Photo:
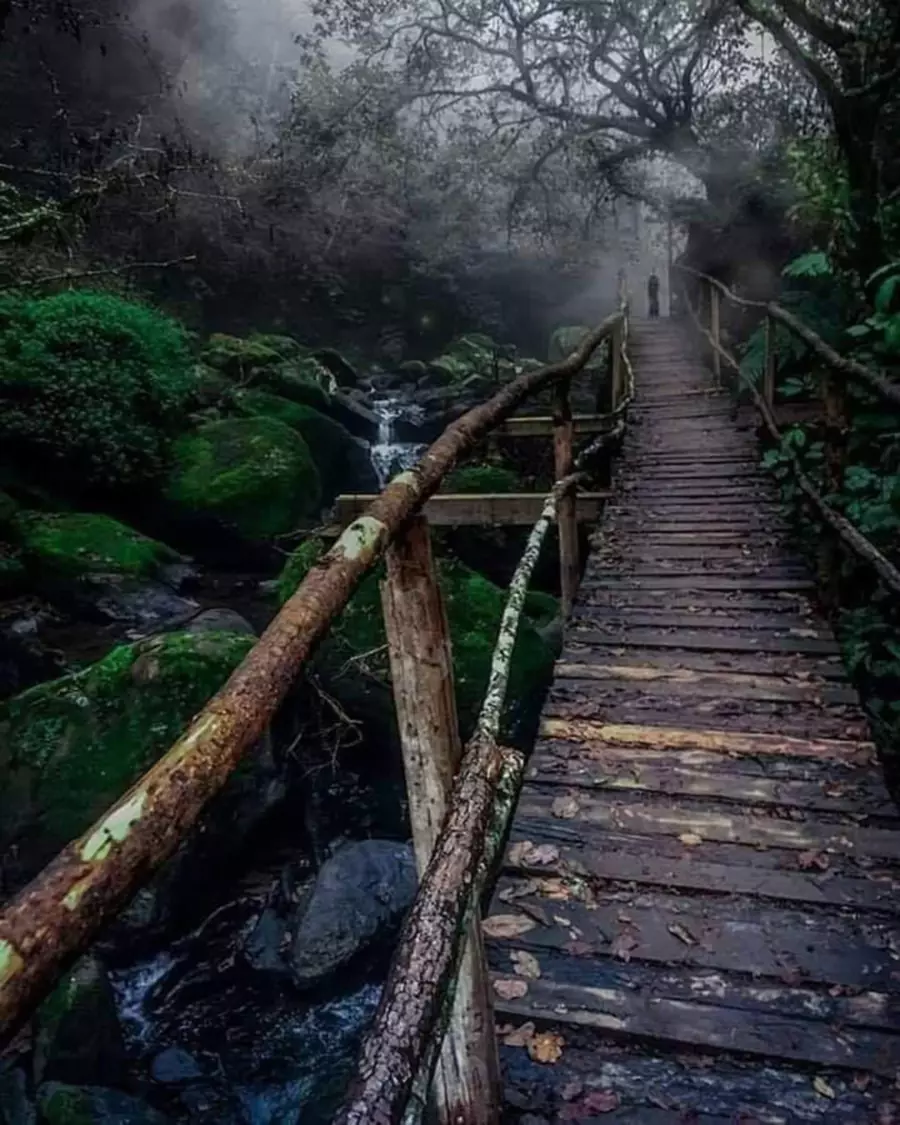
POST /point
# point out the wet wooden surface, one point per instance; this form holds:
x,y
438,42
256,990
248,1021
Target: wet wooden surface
x,y
697,919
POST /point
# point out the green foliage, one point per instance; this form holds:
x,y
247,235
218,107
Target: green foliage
x,y
71,545
474,606
254,474
91,384
879,334
72,746
813,264
482,478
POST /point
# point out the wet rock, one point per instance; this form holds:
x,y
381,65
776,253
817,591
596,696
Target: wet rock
x,y
360,896
356,416
221,619
173,1066
342,369
78,1037
61,1104
15,1105
148,607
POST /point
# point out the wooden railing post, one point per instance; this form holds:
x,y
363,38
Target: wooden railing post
x,y
616,341
768,383
715,332
467,1076
566,518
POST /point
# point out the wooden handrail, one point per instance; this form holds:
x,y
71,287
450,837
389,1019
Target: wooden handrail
x,y
55,918
852,368
849,534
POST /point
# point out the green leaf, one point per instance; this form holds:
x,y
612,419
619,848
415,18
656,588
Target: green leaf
x,y
814,264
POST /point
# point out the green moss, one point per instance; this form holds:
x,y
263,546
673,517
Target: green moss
x,y
474,607
482,478
255,474
91,385
70,545
73,745
274,363
67,1105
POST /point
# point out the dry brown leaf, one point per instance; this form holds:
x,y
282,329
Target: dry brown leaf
x,y
546,1047
690,839
676,929
517,890
555,889
579,948
518,851
507,925
571,1090
509,989
808,860
543,855
520,1036
623,945
822,1088
525,965
565,808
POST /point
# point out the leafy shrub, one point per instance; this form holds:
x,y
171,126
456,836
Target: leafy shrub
x,y
92,384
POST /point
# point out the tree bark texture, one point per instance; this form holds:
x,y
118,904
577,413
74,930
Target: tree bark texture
x,y
467,1075
566,519
854,539
62,910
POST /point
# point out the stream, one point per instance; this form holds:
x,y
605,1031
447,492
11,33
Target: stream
x,y
391,455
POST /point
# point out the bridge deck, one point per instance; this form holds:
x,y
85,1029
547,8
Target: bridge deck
x,y
700,895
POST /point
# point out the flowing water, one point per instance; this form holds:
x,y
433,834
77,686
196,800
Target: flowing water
x,y
390,455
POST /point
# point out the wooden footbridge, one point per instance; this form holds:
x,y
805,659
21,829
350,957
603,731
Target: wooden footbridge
x,y
694,916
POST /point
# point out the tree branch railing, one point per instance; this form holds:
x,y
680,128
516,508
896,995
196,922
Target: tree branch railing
x,y
850,368
850,535
55,918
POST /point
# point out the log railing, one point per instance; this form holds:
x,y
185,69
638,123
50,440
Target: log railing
x,y
459,801
764,401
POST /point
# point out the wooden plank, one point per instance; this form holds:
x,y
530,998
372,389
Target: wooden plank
x,y
705,641
747,582
695,1023
780,947
527,425
651,818
701,618
586,769
718,741
711,685
655,1087
451,509
716,870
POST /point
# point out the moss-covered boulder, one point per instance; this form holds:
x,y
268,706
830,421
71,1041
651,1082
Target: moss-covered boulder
x,y
77,1035
91,387
343,461
482,478
473,354
565,340
70,747
61,1104
275,363
255,476
69,546
474,607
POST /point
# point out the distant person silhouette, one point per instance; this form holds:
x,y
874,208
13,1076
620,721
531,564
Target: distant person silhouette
x,y
653,294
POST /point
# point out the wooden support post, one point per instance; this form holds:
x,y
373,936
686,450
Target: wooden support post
x,y
615,343
565,513
467,1076
715,332
834,406
768,386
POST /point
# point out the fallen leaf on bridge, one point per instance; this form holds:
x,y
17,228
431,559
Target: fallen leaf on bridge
x,y
807,860
519,1036
677,930
594,1102
507,925
508,989
524,853
525,965
566,808
546,1047
822,1088
690,839
623,945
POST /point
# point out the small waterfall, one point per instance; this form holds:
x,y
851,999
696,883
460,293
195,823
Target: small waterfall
x,y
390,456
